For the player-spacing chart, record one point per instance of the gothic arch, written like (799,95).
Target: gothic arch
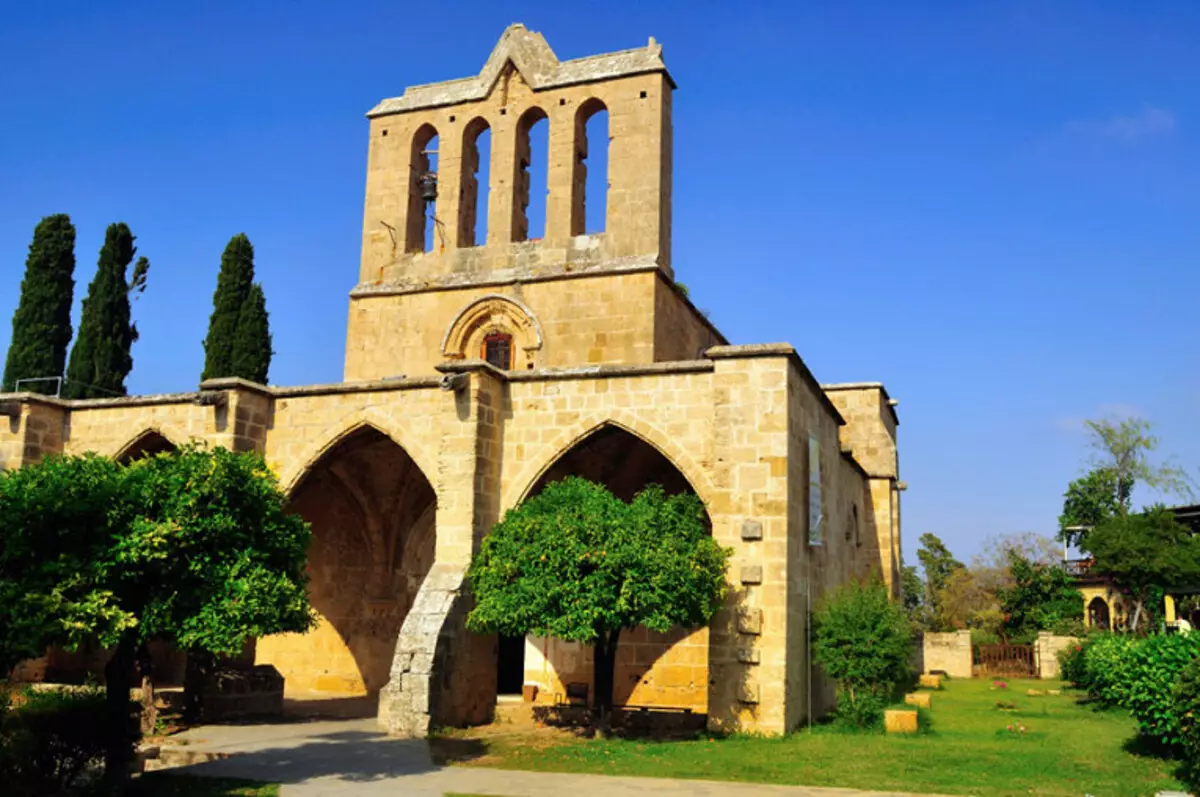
(294,473)
(550,454)
(493,312)
(152,439)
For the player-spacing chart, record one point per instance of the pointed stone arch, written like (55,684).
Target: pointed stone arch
(488,314)
(150,440)
(291,475)
(537,466)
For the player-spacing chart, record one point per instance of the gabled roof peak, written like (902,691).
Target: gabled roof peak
(538,65)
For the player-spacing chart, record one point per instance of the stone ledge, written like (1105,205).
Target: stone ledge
(887,400)
(121,401)
(234,383)
(611,371)
(508,276)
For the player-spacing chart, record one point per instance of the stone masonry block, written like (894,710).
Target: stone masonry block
(752,530)
(750,621)
(748,656)
(752,574)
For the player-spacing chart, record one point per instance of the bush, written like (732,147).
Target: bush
(1187,705)
(1106,668)
(1155,664)
(48,739)
(863,642)
(1072,663)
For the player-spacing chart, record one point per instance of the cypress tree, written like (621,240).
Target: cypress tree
(101,357)
(252,342)
(233,286)
(42,322)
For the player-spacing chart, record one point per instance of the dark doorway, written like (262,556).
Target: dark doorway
(510,665)
(1098,614)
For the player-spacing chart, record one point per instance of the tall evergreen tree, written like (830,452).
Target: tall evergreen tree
(101,357)
(42,322)
(233,286)
(252,342)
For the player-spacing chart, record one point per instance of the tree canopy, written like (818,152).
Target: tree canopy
(1041,597)
(190,546)
(1145,552)
(102,355)
(577,563)
(41,325)
(252,341)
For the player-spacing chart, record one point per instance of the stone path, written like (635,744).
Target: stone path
(351,758)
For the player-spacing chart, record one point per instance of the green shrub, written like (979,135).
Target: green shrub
(1155,665)
(1072,663)
(863,642)
(49,739)
(1106,668)
(1187,706)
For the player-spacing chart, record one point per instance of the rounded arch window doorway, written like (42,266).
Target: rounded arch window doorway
(497,349)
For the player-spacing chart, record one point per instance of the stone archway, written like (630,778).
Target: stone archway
(372,511)
(147,444)
(667,671)
(1098,614)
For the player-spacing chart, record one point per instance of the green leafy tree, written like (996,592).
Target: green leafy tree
(193,547)
(576,563)
(914,596)
(863,642)
(1144,554)
(252,342)
(234,283)
(1124,448)
(1090,500)
(42,322)
(938,564)
(102,355)
(1041,597)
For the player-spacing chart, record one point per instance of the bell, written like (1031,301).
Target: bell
(429,186)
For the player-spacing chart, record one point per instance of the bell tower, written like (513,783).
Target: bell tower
(430,288)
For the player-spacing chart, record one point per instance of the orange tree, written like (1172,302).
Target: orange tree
(193,547)
(577,563)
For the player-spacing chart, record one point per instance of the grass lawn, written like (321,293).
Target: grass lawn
(1069,749)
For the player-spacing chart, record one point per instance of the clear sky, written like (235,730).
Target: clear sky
(993,208)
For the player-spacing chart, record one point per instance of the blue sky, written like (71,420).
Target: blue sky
(991,207)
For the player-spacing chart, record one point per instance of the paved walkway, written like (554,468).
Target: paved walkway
(351,758)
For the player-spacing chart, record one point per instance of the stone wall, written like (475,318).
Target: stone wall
(949,653)
(1046,650)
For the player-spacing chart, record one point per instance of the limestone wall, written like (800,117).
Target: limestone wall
(949,653)
(1046,649)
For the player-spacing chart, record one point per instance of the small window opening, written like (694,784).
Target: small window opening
(532,169)
(476,179)
(589,205)
(385,131)
(497,350)
(642,95)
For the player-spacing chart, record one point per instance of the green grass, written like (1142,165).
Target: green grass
(1069,749)
(165,784)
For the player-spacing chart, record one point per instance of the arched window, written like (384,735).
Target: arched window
(532,169)
(589,195)
(497,349)
(422,233)
(476,175)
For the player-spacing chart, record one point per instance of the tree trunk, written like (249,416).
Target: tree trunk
(146,670)
(603,673)
(118,681)
(199,665)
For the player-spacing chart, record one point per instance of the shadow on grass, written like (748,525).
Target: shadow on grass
(167,784)
(1145,747)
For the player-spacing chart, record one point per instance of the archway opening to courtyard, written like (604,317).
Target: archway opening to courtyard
(653,671)
(147,444)
(1098,614)
(372,512)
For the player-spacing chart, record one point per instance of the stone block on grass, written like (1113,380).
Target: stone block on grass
(899,720)
(919,699)
(929,681)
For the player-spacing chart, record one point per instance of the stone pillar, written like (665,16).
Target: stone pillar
(32,426)
(243,414)
(441,673)
(501,175)
(748,643)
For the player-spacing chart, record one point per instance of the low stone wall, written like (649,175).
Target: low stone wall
(949,653)
(234,692)
(1047,648)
